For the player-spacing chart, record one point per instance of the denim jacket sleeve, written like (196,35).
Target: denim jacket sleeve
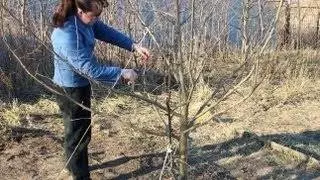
(108,34)
(84,62)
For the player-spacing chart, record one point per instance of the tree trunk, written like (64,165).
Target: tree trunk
(261,20)
(183,151)
(22,15)
(183,143)
(245,24)
(41,21)
(317,31)
(286,35)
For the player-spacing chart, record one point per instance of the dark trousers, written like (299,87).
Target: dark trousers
(76,123)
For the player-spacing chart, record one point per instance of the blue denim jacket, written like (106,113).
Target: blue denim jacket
(74,61)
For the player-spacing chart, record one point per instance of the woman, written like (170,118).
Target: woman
(76,28)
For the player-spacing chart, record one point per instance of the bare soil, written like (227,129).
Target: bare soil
(224,149)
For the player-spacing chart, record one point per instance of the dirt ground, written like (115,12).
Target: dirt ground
(241,144)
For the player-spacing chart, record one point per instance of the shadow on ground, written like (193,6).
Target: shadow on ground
(204,161)
(18,133)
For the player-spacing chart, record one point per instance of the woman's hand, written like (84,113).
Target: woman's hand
(141,51)
(129,75)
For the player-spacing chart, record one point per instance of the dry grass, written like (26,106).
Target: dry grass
(286,101)
(15,114)
(43,106)
(12,115)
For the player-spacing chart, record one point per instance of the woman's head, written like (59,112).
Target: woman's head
(86,10)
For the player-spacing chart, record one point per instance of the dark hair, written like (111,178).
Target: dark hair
(69,7)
